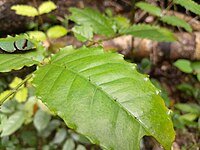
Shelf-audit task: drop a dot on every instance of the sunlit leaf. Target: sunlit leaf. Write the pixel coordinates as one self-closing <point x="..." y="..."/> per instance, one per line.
<point x="56" y="31"/>
<point x="46" y="7"/>
<point x="25" y="10"/>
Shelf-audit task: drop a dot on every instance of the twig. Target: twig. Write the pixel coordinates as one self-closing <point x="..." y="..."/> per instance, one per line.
<point x="13" y="91"/>
<point x="102" y="40"/>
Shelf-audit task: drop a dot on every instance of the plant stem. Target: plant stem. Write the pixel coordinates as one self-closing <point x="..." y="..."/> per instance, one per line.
<point x="133" y="11"/>
<point x="101" y="40"/>
<point x="13" y="91"/>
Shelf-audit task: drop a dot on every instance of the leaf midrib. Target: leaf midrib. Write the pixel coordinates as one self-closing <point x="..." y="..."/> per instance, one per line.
<point x="104" y="92"/>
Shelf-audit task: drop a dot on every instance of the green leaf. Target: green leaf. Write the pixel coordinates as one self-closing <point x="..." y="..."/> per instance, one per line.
<point x="83" y="33"/>
<point x="184" y="65"/>
<point x="121" y="22"/>
<point x="149" y="8"/>
<point x="13" y="123"/>
<point x="19" y="42"/>
<point x="17" y="61"/>
<point x="103" y="97"/>
<point x="25" y="10"/>
<point x="188" y="108"/>
<point x="89" y="17"/>
<point x="149" y="32"/>
<point x="60" y="136"/>
<point x="80" y="147"/>
<point x="189" y="5"/>
<point x="46" y="7"/>
<point x="69" y="145"/>
<point x="41" y="120"/>
<point x="21" y="95"/>
<point x="56" y="31"/>
<point x="175" y="21"/>
<point x="38" y="35"/>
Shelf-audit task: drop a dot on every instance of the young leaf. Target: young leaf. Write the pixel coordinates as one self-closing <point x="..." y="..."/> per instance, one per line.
<point x="46" y="7"/>
<point x="103" y="97"/>
<point x="150" y="32"/>
<point x="189" y="5"/>
<point x="149" y="8"/>
<point x="25" y="10"/>
<point x="13" y="123"/>
<point x="21" y="95"/>
<point x="41" y="120"/>
<point x="175" y="21"/>
<point x="37" y="35"/>
<point x="90" y="17"/>
<point x="56" y="31"/>
<point x="83" y="33"/>
<point x="184" y="65"/>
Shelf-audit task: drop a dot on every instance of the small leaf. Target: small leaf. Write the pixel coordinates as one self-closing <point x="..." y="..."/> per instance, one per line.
<point x="189" y="117"/>
<point x="89" y="17"/>
<point x="69" y="145"/>
<point x="56" y="31"/>
<point x="60" y="136"/>
<point x="46" y="7"/>
<point x="184" y="65"/>
<point x="80" y="147"/>
<point x="25" y="10"/>
<point x="149" y="8"/>
<point x="83" y="33"/>
<point x="15" y="82"/>
<point x="38" y="35"/>
<point x="188" y="108"/>
<point x="149" y="32"/>
<point x="189" y="5"/>
<point x="13" y="123"/>
<point x="175" y="21"/>
<point x="21" y="95"/>
<point x="41" y="120"/>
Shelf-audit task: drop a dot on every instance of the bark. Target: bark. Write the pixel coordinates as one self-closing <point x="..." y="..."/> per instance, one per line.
<point x="187" y="46"/>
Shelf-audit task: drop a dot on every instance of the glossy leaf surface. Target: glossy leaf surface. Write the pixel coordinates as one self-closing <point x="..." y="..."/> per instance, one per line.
<point x="103" y="97"/>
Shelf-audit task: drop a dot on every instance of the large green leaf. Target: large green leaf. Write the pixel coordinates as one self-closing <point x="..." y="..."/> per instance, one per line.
<point x="90" y="17"/>
<point x="189" y="5"/>
<point x="150" y="32"/>
<point x="103" y="97"/>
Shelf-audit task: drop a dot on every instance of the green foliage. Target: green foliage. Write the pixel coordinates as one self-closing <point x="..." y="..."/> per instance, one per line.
<point x="184" y="65"/>
<point x="150" y="32"/>
<point x="156" y="11"/>
<point x="89" y="17"/>
<point x="25" y="10"/>
<point x="19" y="42"/>
<point x="41" y="120"/>
<point x="101" y="105"/>
<point x="13" y="123"/>
<point x="83" y="33"/>
<point x="30" y="11"/>
<point x="38" y="35"/>
<point x="189" y="5"/>
<point x="189" y="67"/>
<point x="56" y="31"/>
<point x="46" y="7"/>
<point x="175" y="21"/>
